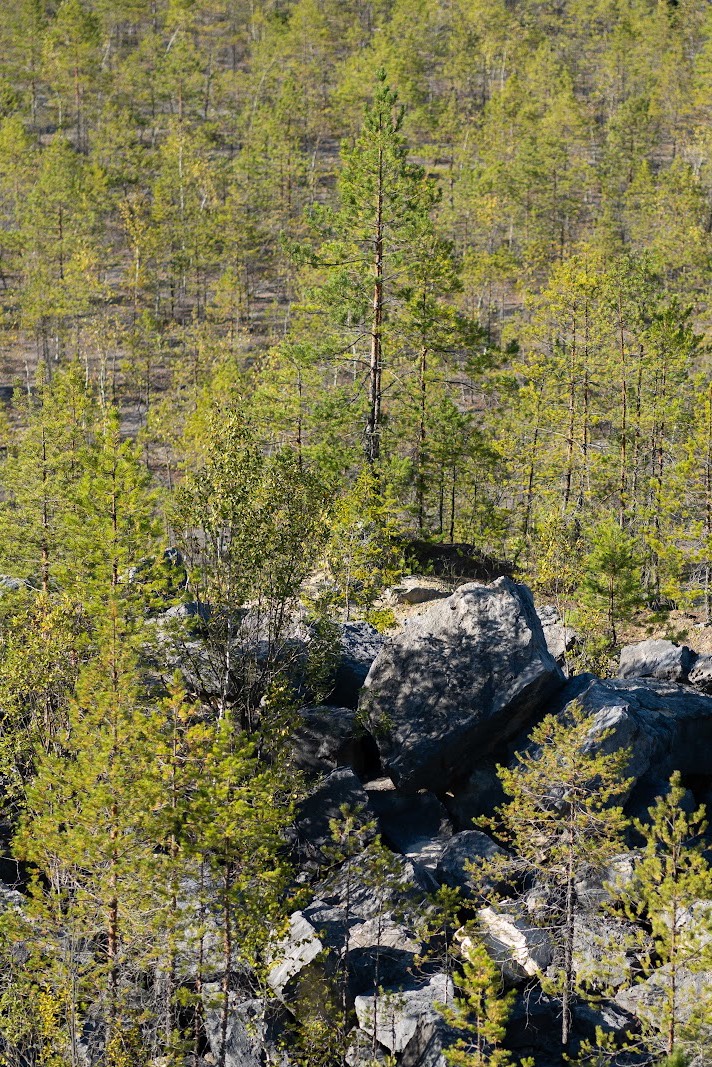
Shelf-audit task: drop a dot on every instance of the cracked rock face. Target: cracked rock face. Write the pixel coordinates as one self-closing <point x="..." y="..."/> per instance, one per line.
<point x="459" y="680"/>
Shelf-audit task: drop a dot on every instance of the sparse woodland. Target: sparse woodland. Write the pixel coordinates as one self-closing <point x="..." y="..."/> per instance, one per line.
<point x="300" y="299"/>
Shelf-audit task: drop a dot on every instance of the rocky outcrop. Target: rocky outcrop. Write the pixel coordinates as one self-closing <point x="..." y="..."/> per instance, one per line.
<point x="340" y="789"/>
<point x="252" y="1031"/>
<point x="666" y="726"/>
<point x="601" y="959"/>
<point x="396" y="1013"/>
<point x="330" y="737"/>
<point x="456" y="682"/>
<point x="480" y="794"/>
<point x="520" y="949"/>
<point x="595" y="887"/>
<point x="645" y="999"/>
<point x="659" y="659"/>
<point x="359" y="644"/>
<point x="406" y="889"/>
<point x="701" y="673"/>
<point x="415" y="825"/>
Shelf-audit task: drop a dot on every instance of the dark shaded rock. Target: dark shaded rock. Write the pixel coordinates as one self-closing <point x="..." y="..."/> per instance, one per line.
<point x="608" y="1016"/>
<point x="595" y="886"/>
<point x="534" y="1022"/>
<point x="456" y="562"/>
<point x="415" y="825"/>
<point x="329" y="737"/>
<point x="340" y="788"/>
<point x="360" y="644"/>
<point x="465" y="848"/>
<point x="456" y="682"/>
<point x="644" y="796"/>
<point x="481" y="794"/>
<point x="427" y="1046"/>
<point x="656" y="659"/>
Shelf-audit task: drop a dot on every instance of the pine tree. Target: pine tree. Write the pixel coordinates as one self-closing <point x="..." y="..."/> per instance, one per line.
<point x="71" y="61"/>
<point x="367" y="261"/>
<point x="83" y="831"/>
<point x="39" y="477"/>
<point x="363" y="553"/>
<point x="242" y="812"/>
<point x="481" y="1009"/>
<point x="612" y="574"/>
<point x="563" y="817"/>
<point x="670" y="892"/>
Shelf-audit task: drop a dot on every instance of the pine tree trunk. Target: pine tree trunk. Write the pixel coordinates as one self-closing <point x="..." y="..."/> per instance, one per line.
<point x="227" y="964"/>
<point x="569" y="923"/>
<point x="421" y="440"/>
<point x="624" y="417"/>
<point x="373" y="426"/>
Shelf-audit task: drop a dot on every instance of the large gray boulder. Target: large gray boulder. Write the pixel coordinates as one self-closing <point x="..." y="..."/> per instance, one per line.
<point x="607" y="950"/>
<point x="666" y="726"/>
<point x="362" y="886"/>
<point x="304" y="943"/>
<point x="249" y="1039"/>
<point x="322" y="935"/>
<point x="458" y="681"/>
<point x="340" y="790"/>
<point x="520" y="949"/>
<point x="415" y="825"/>
<point x="656" y="659"/>
<point x="646" y="999"/>
<point x="559" y="637"/>
<point x="701" y="673"/>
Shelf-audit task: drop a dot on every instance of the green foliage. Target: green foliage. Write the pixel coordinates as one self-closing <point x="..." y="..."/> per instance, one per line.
<point x="671" y="888"/>
<point x="562" y="817"/>
<point x="250" y="528"/>
<point x="362" y="553"/>
<point x="612" y="574"/>
<point x="480" y="1010"/>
